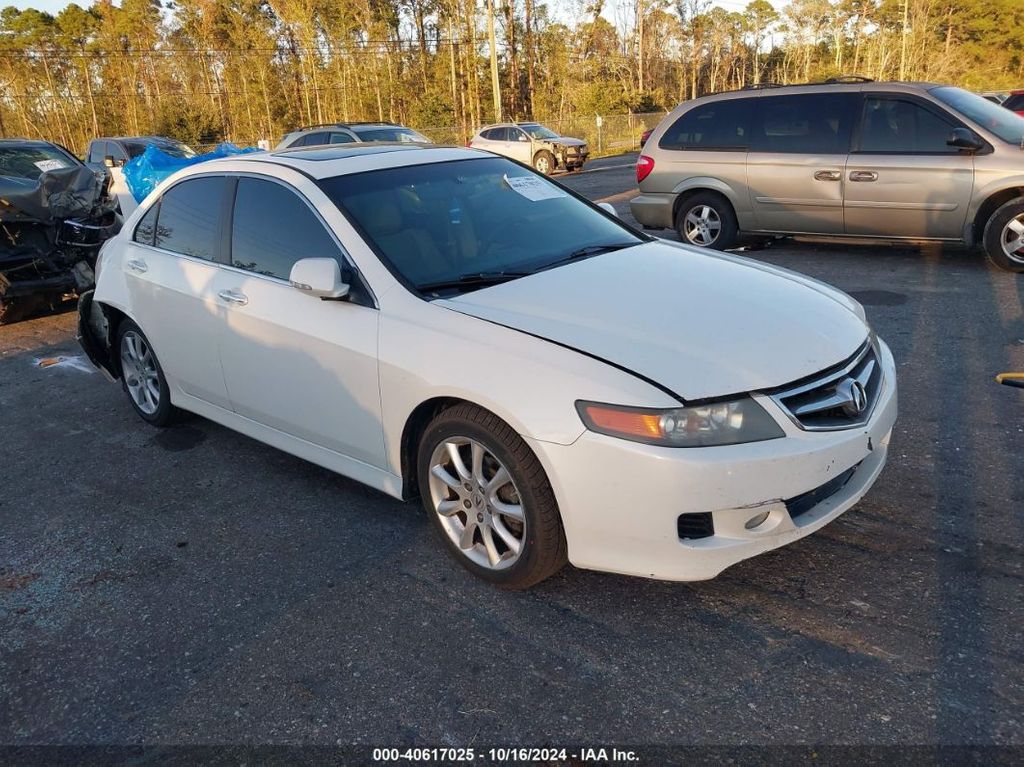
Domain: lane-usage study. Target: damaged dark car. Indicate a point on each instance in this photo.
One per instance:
(55, 213)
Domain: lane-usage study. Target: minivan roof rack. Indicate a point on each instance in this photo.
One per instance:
(759, 86)
(848, 79)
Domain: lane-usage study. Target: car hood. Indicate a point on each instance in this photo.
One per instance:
(567, 141)
(696, 323)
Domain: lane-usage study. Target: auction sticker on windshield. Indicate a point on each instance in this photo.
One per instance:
(532, 188)
(45, 165)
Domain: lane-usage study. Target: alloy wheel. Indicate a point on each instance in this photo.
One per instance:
(543, 165)
(702, 225)
(138, 366)
(477, 503)
(1012, 239)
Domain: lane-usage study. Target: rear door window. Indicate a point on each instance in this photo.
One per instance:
(900, 126)
(342, 138)
(809, 123)
(189, 217)
(272, 228)
(716, 126)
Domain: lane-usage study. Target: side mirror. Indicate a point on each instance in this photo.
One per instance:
(607, 207)
(320, 277)
(523, 137)
(961, 138)
(109, 161)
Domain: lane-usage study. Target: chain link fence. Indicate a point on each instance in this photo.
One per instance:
(605, 134)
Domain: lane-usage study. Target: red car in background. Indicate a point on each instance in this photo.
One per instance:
(1015, 102)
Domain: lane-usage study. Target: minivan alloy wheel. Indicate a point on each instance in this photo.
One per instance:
(1012, 239)
(477, 503)
(702, 225)
(138, 366)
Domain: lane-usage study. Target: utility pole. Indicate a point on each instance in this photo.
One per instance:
(495, 85)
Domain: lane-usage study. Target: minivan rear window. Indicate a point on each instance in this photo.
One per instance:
(720, 126)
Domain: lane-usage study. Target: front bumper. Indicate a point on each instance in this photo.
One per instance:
(94, 336)
(621, 501)
(653, 211)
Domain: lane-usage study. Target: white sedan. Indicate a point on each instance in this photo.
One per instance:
(555, 385)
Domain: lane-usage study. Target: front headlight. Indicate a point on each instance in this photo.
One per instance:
(720, 423)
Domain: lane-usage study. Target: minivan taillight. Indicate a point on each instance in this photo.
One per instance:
(644, 166)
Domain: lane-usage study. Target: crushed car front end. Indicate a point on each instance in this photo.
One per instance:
(570, 153)
(51, 229)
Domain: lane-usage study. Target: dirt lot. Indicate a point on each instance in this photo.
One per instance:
(192, 585)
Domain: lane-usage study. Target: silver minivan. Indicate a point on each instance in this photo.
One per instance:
(893, 161)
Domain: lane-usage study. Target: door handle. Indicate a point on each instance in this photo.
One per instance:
(233, 297)
(828, 175)
(137, 265)
(863, 175)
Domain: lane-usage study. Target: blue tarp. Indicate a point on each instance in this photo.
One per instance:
(144, 172)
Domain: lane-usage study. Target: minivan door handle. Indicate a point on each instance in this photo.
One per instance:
(233, 297)
(137, 265)
(863, 175)
(828, 175)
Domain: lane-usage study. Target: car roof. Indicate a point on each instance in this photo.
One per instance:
(136, 138)
(510, 125)
(25, 142)
(825, 87)
(343, 159)
(329, 126)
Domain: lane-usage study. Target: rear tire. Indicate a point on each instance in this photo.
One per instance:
(544, 162)
(142, 378)
(707, 220)
(1004, 236)
(504, 529)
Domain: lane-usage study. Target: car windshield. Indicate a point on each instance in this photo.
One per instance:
(169, 147)
(1015, 102)
(992, 117)
(403, 135)
(457, 226)
(539, 131)
(31, 161)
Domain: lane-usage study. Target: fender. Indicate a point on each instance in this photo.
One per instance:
(740, 202)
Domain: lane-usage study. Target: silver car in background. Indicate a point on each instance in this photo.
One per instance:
(351, 133)
(850, 158)
(532, 144)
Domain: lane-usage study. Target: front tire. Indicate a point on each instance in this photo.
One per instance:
(142, 378)
(489, 499)
(544, 162)
(707, 221)
(1004, 236)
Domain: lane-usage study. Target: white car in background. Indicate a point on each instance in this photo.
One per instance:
(532, 144)
(553, 384)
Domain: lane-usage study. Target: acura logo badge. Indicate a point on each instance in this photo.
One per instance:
(854, 397)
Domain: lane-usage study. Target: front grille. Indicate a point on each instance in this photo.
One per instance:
(694, 526)
(839, 398)
(803, 503)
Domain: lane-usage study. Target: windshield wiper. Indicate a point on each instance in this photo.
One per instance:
(472, 280)
(590, 250)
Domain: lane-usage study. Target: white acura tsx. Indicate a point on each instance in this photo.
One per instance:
(555, 385)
